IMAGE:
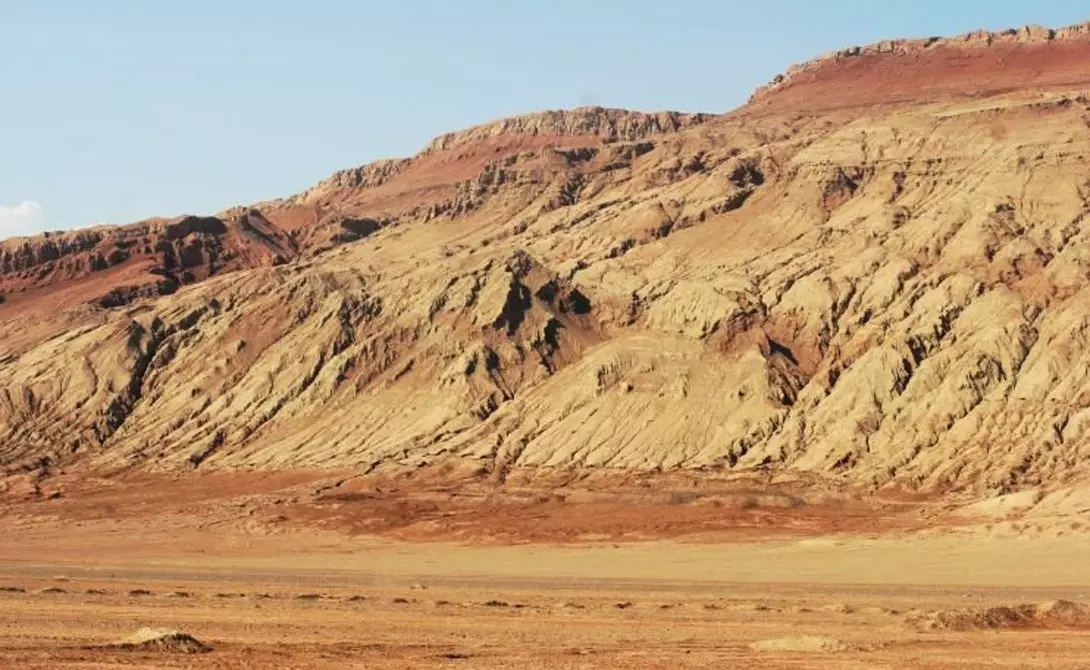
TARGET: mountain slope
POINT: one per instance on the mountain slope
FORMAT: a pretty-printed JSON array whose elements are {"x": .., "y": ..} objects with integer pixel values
[{"x": 878, "y": 278}]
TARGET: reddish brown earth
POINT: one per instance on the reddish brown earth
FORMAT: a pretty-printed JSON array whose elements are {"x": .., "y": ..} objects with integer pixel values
[
  {"x": 259, "y": 570},
  {"x": 911, "y": 72},
  {"x": 109, "y": 267}
]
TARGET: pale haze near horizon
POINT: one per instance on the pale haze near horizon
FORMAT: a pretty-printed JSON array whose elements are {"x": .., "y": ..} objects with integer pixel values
[{"x": 119, "y": 110}]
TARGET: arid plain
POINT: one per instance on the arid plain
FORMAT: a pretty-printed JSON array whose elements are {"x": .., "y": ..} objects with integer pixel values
[{"x": 281, "y": 578}]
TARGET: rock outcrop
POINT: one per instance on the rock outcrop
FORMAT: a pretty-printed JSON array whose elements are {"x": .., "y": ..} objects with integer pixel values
[
  {"x": 1032, "y": 59},
  {"x": 115, "y": 265},
  {"x": 597, "y": 122},
  {"x": 887, "y": 286},
  {"x": 164, "y": 640},
  {"x": 1054, "y": 615}
]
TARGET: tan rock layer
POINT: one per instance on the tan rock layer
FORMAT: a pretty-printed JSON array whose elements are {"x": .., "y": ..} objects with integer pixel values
[
  {"x": 610, "y": 124},
  {"x": 886, "y": 296}
]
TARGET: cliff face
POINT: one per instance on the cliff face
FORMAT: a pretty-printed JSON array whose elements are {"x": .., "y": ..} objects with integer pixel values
[
  {"x": 881, "y": 290},
  {"x": 112, "y": 266},
  {"x": 593, "y": 122}
]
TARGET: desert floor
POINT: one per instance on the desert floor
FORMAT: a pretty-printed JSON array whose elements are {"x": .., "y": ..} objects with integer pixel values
[{"x": 81, "y": 573}]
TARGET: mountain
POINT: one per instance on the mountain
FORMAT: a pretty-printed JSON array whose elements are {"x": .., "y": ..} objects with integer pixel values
[{"x": 875, "y": 273}]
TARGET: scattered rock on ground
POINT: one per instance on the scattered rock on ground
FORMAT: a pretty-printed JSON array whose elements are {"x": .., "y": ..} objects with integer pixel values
[
  {"x": 1054, "y": 614},
  {"x": 52, "y": 589},
  {"x": 165, "y": 639},
  {"x": 804, "y": 643}
]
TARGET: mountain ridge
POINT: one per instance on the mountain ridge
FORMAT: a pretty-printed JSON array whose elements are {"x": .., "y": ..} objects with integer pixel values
[
  {"x": 978, "y": 39},
  {"x": 884, "y": 293},
  {"x": 910, "y": 70}
]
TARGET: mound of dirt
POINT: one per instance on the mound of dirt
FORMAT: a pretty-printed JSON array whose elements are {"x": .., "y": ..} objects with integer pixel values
[
  {"x": 51, "y": 589},
  {"x": 803, "y": 644},
  {"x": 165, "y": 639},
  {"x": 1054, "y": 614}
]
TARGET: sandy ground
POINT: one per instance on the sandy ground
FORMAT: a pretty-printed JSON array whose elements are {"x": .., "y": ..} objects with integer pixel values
[{"x": 311, "y": 596}]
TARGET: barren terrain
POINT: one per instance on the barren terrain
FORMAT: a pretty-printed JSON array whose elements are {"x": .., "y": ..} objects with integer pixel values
[
  {"x": 890, "y": 293},
  {"x": 802, "y": 385},
  {"x": 274, "y": 578}
]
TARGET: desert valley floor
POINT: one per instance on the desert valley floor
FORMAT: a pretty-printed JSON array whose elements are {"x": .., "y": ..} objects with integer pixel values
[{"x": 775, "y": 587}]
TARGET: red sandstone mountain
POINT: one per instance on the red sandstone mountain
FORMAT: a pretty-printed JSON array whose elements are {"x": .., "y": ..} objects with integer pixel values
[{"x": 876, "y": 271}]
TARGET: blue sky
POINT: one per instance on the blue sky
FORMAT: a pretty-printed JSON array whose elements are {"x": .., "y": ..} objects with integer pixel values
[{"x": 114, "y": 110}]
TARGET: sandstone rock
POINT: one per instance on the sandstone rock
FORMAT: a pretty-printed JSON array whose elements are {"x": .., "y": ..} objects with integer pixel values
[
  {"x": 114, "y": 266},
  {"x": 802, "y": 644},
  {"x": 610, "y": 124},
  {"x": 933, "y": 68},
  {"x": 885, "y": 286},
  {"x": 1062, "y": 614},
  {"x": 164, "y": 639}
]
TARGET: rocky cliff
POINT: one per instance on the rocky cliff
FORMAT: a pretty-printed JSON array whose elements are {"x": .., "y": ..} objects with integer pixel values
[
  {"x": 1031, "y": 60},
  {"x": 878, "y": 272},
  {"x": 112, "y": 266}
]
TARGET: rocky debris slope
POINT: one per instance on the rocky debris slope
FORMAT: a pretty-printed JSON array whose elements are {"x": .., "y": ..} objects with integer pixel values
[
  {"x": 1057, "y": 614},
  {"x": 885, "y": 294}
]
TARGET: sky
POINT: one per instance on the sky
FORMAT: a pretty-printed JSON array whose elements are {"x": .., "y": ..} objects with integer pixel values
[{"x": 117, "y": 110}]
